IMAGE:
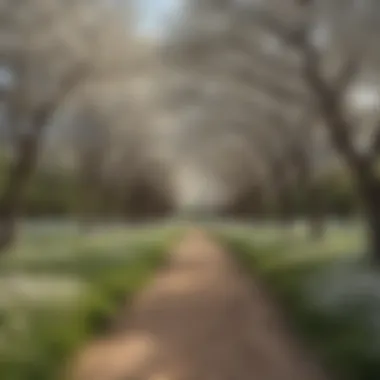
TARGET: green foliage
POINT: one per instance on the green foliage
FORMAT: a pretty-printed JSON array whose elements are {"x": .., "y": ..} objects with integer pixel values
[
  {"x": 50, "y": 193},
  {"x": 340, "y": 194},
  {"x": 344, "y": 340}
]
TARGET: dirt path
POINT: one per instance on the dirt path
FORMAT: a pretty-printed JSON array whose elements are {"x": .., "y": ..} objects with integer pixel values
[{"x": 200, "y": 319}]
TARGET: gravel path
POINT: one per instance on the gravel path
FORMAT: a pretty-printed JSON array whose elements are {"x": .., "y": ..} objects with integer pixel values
[{"x": 199, "y": 319}]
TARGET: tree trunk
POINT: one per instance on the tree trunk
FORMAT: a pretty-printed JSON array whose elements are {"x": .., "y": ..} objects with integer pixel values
[
  {"x": 283, "y": 190},
  {"x": 317, "y": 228},
  {"x": 374, "y": 234},
  {"x": 285, "y": 207},
  {"x": 315, "y": 211},
  {"x": 19, "y": 174},
  {"x": 89, "y": 194},
  {"x": 370, "y": 188},
  {"x": 284, "y": 199},
  {"x": 26, "y": 152},
  {"x": 312, "y": 202}
]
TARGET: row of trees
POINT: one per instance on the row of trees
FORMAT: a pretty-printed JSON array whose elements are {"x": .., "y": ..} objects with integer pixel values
[
  {"x": 71, "y": 97},
  {"x": 281, "y": 75},
  {"x": 53, "y": 192},
  {"x": 254, "y": 94}
]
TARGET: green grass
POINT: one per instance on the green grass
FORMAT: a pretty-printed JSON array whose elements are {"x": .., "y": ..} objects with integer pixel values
[
  {"x": 59, "y": 291},
  {"x": 60, "y": 288},
  {"x": 324, "y": 292}
]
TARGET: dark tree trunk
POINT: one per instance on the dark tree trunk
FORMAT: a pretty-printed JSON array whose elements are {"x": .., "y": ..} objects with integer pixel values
[
  {"x": 247, "y": 205},
  {"x": 19, "y": 174},
  {"x": 284, "y": 195},
  {"x": 315, "y": 211},
  {"x": 374, "y": 233},
  {"x": 329, "y": 97},
  {"x": 317, "y": 227},
  {"x": 26, "y": 153},
  {"x": 144, "y": 201},
  {"x": 285, "y": 206},
  {"x": 370, "y": 188},
  {"x": 311, "y": 194},
  {"x": 89, "y": 189}
]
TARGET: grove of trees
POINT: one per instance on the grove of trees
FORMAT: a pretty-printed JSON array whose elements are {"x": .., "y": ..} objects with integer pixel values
[
  {"x": 256, "y": 96},
  {"x": 282, "y": 74},
  {"x": 71, "y": 65}
]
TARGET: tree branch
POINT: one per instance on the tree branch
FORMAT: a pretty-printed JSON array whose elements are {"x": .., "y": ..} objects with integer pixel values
[
  {"x": 68, "y": 85},
  {"x": 347, "y": 73},
  {"x": 329, "y": 98}
]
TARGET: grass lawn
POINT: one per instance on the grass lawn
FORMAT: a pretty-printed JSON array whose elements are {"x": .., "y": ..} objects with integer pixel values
[
  {"x": 328, "y": 293},
  {"x": 59, "y": 287}
]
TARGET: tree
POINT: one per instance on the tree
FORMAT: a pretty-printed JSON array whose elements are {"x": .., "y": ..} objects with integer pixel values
[
  {"x": 231, "y": 82},
  {"x": 290, "y": 57},
  {"x": 350, "y": 31},
  {"x": 52, "y": 50}
]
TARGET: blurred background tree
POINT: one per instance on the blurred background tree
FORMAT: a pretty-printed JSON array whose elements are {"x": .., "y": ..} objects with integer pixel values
[
  {"x": 259, "y": 115},
  {"x": 222, "y": 113},
  {"x": 284, "y": 75},
  {"x": 71, "y": 68}
]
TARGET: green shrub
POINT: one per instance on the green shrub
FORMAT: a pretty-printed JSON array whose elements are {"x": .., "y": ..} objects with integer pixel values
[
  {"x": 50, "y": 193},
  {"x": 340, "y": 194}
]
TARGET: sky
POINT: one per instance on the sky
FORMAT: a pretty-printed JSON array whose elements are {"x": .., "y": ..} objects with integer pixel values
[{"x": 154, "y": 12}]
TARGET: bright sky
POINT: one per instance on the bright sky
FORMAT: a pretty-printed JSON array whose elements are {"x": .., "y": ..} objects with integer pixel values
[{"x": 153, "y": 13}]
